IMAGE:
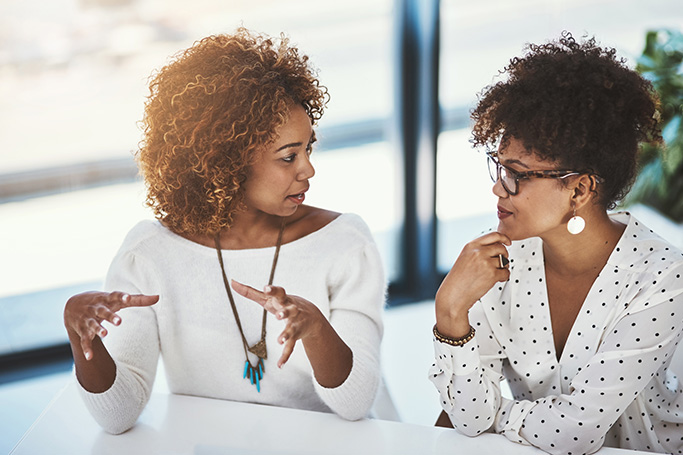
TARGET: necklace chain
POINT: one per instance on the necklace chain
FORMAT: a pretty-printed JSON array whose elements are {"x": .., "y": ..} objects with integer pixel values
[{"x": 253, "y": 372}]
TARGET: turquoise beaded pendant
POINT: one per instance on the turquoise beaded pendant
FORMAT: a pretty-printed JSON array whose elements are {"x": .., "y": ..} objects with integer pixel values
[{"x": 254, "y": 373}]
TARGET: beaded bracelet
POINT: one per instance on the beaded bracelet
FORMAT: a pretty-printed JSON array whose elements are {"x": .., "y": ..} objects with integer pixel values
[{"x": 454, "y": 341}]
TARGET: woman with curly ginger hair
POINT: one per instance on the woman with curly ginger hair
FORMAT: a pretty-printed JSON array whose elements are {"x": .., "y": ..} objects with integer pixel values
[
  {"x": 228, "y": 133},
  {"x": 579, "y": 309}
]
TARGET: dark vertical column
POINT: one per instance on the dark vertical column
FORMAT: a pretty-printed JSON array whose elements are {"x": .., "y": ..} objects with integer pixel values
[{"x": 417, "y": 45}]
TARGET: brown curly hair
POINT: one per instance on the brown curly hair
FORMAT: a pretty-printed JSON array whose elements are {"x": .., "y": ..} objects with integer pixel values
[
  {"x": 575, "y": 104},
  {"x": 209, "y": 111}
]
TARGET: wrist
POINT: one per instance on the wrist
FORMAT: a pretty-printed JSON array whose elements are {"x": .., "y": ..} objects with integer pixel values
[
  {"x": 319, "y": 330},
  {"x": 459, "y": 341},
  {"x": 453, "y": 324}
]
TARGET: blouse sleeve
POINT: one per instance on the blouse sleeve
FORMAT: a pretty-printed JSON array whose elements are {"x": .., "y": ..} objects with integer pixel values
[
  {"x": 356, "y": 304},
  {"x": 633, "y": 351},
  {"x": 134, "y": 346},
  {"x": 468, "y": 378}
]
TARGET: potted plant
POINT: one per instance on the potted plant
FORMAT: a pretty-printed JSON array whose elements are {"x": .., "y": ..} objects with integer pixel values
[{"x": 660, "y": 180}]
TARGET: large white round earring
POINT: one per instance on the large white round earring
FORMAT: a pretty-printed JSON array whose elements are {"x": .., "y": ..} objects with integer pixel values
[{"x": 576, "y": 224}]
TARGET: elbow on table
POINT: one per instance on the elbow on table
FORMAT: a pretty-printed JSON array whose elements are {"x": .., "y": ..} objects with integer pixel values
[
  {"x": 352, "y": 415},
  {"x": 351, "y": 402},
  {"x": 578, "y": 445},
  {"x": 114, "y": 423},
  {"x": 356, "y": 411},
  {"x": 470, "y": 429},
  {"x": 116, "y": 428}
]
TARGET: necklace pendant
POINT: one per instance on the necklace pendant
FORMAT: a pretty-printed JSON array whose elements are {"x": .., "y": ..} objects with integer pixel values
[
  {"x": 259, "y": 350},
  {"x": 254, "y": 373}
]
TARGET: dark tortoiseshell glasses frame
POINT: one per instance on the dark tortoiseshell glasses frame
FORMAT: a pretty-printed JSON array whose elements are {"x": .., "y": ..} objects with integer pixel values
[{"x": 510, "y": 178}]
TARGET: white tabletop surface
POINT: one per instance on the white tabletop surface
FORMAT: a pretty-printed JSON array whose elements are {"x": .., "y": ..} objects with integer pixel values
[{"x": 177, "y": 424}]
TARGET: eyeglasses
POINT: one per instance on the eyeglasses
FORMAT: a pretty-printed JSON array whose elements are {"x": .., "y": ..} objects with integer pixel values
[{"x": 510, "y": 179}]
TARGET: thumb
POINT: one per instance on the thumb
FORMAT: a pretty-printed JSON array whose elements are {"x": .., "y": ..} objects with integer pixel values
[{"x": 276, "y": 295}]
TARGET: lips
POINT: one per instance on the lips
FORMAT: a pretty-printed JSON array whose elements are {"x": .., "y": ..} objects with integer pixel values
[
  {"x": 298, "y": 198},
  {"x": 503, "y": 213}
]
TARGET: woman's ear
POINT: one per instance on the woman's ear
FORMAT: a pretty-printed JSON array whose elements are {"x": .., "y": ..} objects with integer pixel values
[{"x": 583, "y": 190}]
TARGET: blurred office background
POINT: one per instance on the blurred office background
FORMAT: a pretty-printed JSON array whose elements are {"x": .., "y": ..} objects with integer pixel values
[{"x": 393, "y": 146}]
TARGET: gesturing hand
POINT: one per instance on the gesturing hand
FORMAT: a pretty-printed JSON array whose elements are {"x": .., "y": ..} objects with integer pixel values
[
  {"x": 303, "y": 318},
  {"x": 84, "y": 314}
]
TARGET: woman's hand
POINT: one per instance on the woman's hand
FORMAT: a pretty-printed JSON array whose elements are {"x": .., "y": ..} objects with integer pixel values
[
  {"x": 475, "y": 271},
  {"x": 304, "y": 320},
  {"x": 84, "y": 314}
]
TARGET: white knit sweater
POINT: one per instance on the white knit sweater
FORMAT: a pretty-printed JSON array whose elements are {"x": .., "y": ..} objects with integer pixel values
[{"x": 338, "y": 268}]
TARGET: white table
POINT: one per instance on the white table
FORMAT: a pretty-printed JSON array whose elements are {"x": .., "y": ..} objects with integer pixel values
[{"x": 177, "y": 424}]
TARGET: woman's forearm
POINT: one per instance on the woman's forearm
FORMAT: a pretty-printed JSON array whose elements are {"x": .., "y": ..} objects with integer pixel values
[
  {"x": 97, "y": 374},
  {"x": 330, "y": 358}
]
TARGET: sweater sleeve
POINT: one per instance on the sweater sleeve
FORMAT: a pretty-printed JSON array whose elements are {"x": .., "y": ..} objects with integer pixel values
[
  {"x": 134, "y": 346},
  {"x": 356, "y": 304}
]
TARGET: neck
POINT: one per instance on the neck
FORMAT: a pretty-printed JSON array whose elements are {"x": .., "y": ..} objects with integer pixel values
[
  {"x": 251, "y": 230},
  {"x": 587, "y": 252}
]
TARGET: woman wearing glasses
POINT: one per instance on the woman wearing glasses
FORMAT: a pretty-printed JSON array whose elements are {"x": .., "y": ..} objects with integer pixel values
[{"x": 579, "y": 309}]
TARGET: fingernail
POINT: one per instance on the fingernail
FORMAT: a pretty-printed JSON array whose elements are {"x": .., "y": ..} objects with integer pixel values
[
  {"x": 117, "y": 320},
  {"x": 88, "y": 355},
  {"x": 103, "y": 333},
  {"x": 268, "y": 288},
  {"x": 125, "y": 298},
  {"x": 283, "y": 339},
  {"x": 280, "y": 315}
]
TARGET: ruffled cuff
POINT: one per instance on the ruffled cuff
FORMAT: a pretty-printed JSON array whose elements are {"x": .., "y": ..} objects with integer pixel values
[
  {"x": 452, "y": 361},
  {"x": 458, "y": 360}
]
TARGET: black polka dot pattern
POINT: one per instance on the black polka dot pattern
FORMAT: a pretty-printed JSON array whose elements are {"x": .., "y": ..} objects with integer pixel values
[{"x": 611, "y": 386}]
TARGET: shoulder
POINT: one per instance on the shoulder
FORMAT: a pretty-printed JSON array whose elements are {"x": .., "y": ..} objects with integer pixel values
[
  {"x": 141, "y": 232},
  {"x": 330, "y": 235},
  {"x": 642, "y": 249},
  {"x": 311, "y": 218},
  {"x": 314, "y": 220},
  {"x": 147, "y": 237},
  {"x": 132, "y": 268}
]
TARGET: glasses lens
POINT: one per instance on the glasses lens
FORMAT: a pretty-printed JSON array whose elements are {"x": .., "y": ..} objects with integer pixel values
[
  {"x": 508, "y": 180},
  {"x": 493, "y": 168}
]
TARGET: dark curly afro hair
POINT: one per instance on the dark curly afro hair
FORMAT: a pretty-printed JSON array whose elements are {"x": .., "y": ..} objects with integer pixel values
[
  {"x": 575, "y": 104},
  {"x": 209, "y": 112}
]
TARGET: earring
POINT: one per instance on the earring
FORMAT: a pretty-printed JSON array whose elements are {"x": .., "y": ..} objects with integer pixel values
[{"x": 576, "y": 224}]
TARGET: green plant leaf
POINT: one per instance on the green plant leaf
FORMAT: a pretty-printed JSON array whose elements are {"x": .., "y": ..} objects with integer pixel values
[{"x": 659, "y": 183}]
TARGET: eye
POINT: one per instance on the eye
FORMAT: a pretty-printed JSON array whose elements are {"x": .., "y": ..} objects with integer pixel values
[
  {"x": 510, "y": 173},
  {"x": 289, "y": 158}
]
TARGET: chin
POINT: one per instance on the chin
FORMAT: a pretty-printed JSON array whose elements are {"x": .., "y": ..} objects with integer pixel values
[
  {"x": 502, "y": 229},
  {"x": 289, "y": 211},
  {"x": 511, "y": 233}
]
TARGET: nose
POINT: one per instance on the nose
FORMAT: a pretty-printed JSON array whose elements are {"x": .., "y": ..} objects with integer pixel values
[
  {"x": 306, "y": 171},
  {"x": 498, "y": 190}
]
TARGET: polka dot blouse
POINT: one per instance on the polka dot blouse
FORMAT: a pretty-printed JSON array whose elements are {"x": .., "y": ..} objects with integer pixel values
[{"x": 611, "y": 385}]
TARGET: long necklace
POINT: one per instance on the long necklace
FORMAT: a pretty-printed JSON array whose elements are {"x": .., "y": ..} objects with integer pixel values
[{"x": 253, "y": 372}]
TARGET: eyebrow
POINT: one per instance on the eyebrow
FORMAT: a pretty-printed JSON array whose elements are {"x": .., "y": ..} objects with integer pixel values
[
  {"x": 291, "y": 144},
  {"x": 513, "y": 161},
  {"x": 295, "y": 144}
]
